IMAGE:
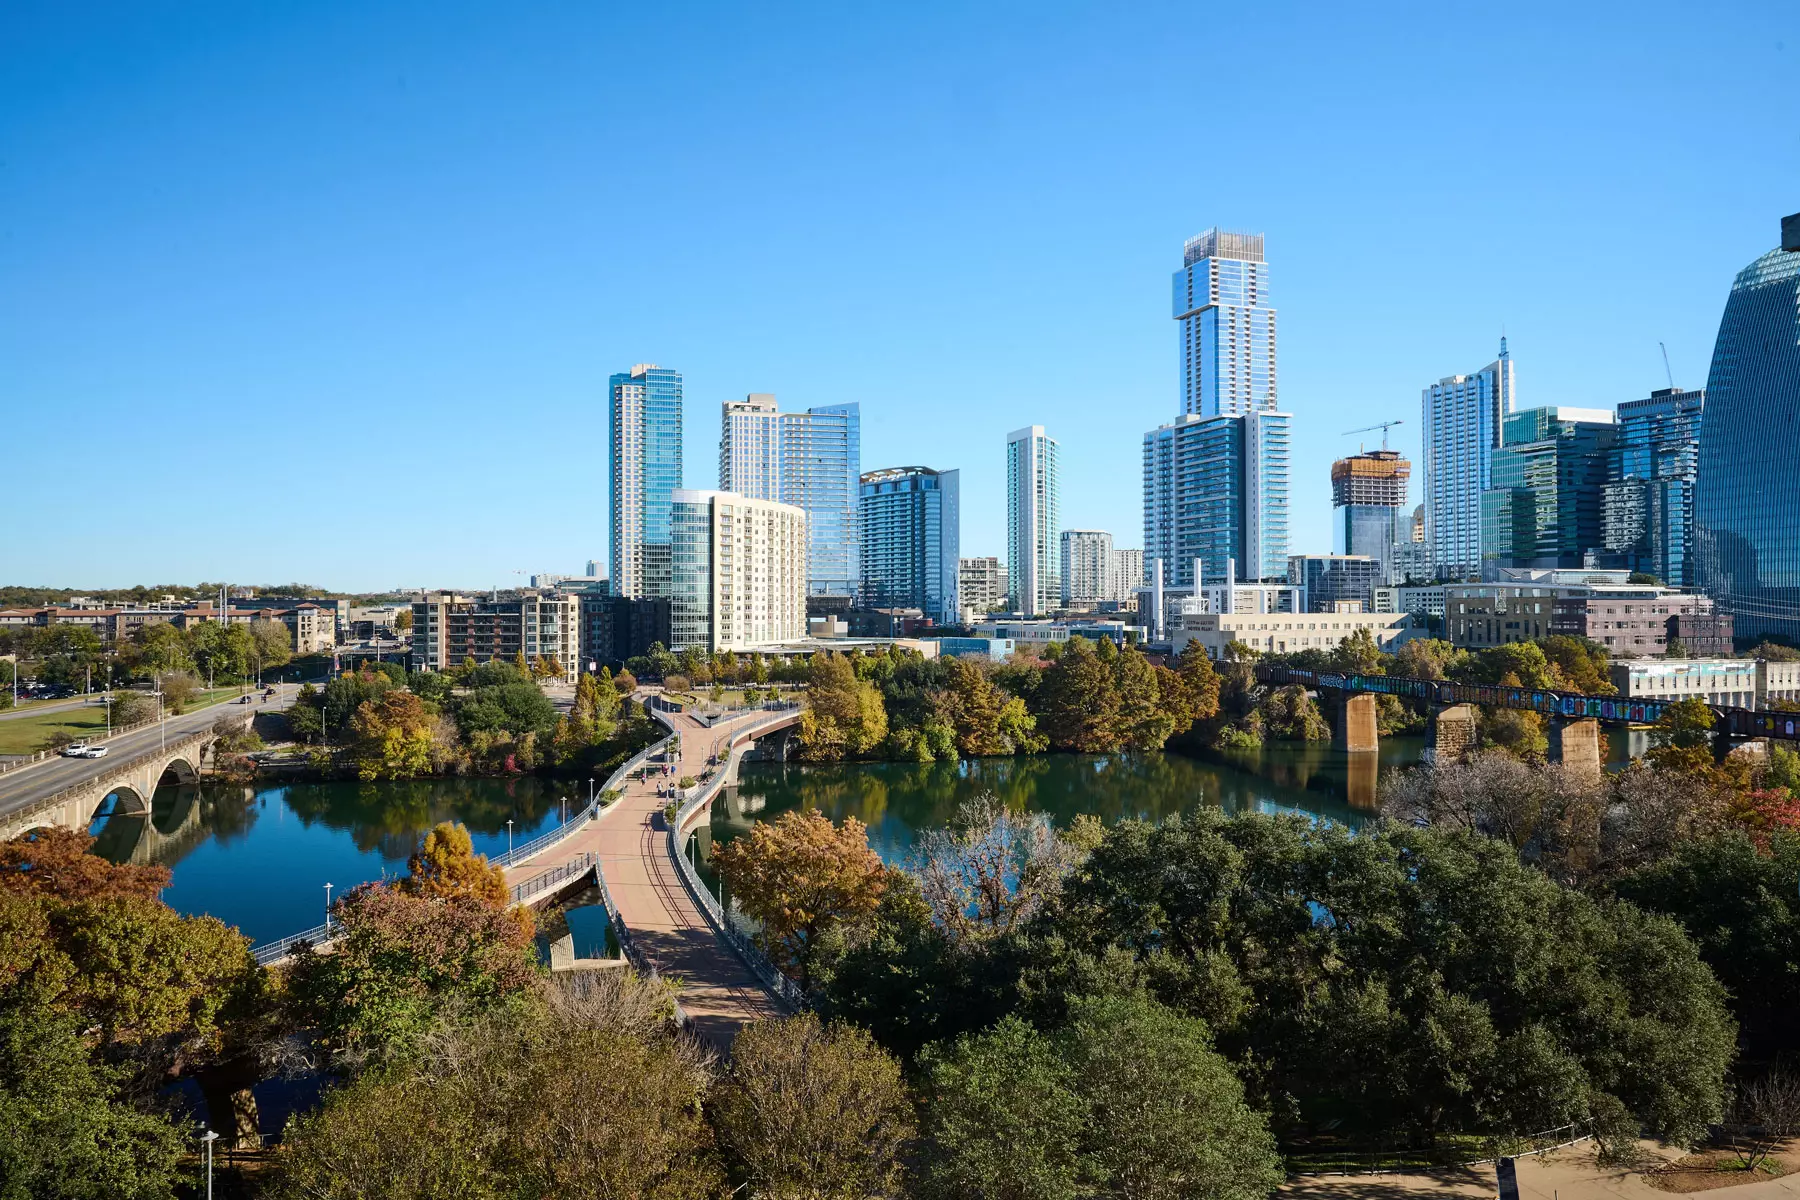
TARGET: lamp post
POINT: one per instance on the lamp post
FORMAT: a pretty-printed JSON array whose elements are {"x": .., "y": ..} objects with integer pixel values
[
  {"x": 590, "y": 793},
  {"x": 328, "y": 907},
  {"x": 509, "y": 841},
  {"x": 208, "y": 1138}
]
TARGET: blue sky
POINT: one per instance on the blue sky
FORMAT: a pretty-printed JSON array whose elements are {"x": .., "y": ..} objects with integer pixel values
[{"x": 331, "y": 292}]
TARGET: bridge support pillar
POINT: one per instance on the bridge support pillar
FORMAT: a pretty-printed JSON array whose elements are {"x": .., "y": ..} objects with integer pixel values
[
  {"x": 1355, "y": 729},
  {"x": 1452, "y": 733},
  {"x": 1576, "y": 743}
]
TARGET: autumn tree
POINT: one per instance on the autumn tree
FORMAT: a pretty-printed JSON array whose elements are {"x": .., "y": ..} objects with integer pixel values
[
  {"x": 844, "y": 715},
  {"x": 799, "y": 877},
  {"x": 813, "y": 1111},
  {"x": 1426, "y": 658},
  {"x": 446, "y": 864},
  {"x": 1077, "y": 703},
  {"x": 56, "y": 862},
  {"x": 394, "y": 736},
  {"x": 1682, "y": 739}
]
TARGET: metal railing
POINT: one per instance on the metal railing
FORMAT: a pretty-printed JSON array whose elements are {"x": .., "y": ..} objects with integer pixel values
[
  {"x": 544, "y": 881},
  {"x": 542, "y": 842},
  {"x": 275, "y": 951},
  {"x": 771, "y": 977}
]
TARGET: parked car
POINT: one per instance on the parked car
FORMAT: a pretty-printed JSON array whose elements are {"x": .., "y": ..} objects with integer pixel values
[
  {"x": 75, "y": 750},
  {"x": 94, "y": 752}
]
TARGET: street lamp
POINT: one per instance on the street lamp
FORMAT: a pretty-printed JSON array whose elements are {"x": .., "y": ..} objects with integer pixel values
[
  {"x": 328, "y": 908},
  {"x": 590, "y": 793},
  {"x": 208, "y": 1138},
  {"x": 509, "y": 841}
]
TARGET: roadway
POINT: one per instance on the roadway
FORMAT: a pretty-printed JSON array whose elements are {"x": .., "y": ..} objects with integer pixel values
[
  {"x": 31, "y": 710},
  {"x": 23, "y": 786},
  {"x": 719, "y": 993}
]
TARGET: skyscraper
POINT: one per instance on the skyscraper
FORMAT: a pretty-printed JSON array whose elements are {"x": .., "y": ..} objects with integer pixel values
[
  {"x": 1221, "y": 299},
  {"x": 1462, "y": 430},
  {"x": 645, "y": 456},
  {"x": 1647, "y": 516},
  {"x": 1087, "y": 567},
  {"x": 1747, "y": 506},
  {"x": 811, "y": 459},
  {"x": 1216, "y": 479},
  {"x": 1033, "y": 514},
  {"x": 1368, "y": 497},
  {"x": 910, "y": 519},
  {"x": 1548, "y": 479}
]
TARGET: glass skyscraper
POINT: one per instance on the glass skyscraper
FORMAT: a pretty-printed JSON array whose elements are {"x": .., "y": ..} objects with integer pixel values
[
  {"x": 1216, "y": 478},
  {"x": 1747, "y": 506},
  {"x": 1549, "y": 475},
  {"x": 1462, "y": 430},
  {"x": 1033, "y": 520},
  {"x": 911, "y": 520},
  {"x": 645, "y": 457},
  {"x": 1648, "y": 515},
  {"x": 811, "y": 459}
]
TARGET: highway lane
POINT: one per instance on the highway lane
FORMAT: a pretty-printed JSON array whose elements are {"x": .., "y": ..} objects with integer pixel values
[{"x": 27, "y": 785}]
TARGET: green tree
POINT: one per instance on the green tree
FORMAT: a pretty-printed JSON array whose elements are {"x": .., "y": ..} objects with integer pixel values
[
  {"x": 1682, "y": 739},
  {"x": 1580, "y": 665},
  {"x": 844, "y": 716},
  {"x": 178, "y": 691},
  {"x": 514, "y": 708},
  {"x": 1077, "y": 703},
  {"x": 272, "y": 644},
  {"x": 1427, "y": 658},
  {"x": 394, "y": 737},
  {"x": 813, "y": 1111},
  {"x": 799, "y": 877},
  {"x": 1148, "y": 711}
]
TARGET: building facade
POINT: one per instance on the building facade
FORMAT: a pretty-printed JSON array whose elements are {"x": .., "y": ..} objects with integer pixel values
[
  {"x": 910, "y": 518},
  {"x": 1033, "y": 520},
  {"x": 1647, "y": 513},
  {"x": 1368, "y": 499},
  {"x": 812, "y": 460},
  {"x": 1221, "y": 299},
  {"x": 1747, "y": 502},
  {"x": 1127, "y": 573},
  {"x": 645, "y": 459},
  {"x": 449, "y": 629},
  {"x": 1332, "y": 580},
  {"x": 615, "y": 628},
  {"x": 739, "y": 570},
  {"x": 1216, "y": 492},
  {"x": 1723, "y": 681},
  {"x": 1633, "y": 621},
  {"x": 1548, "y": 480},
  {"x": 981, "y": 585},
  {"x": 1285, "y": 633},
  {"x": 1462, "y": 415},
  {"x": 1087, "y": 567}
]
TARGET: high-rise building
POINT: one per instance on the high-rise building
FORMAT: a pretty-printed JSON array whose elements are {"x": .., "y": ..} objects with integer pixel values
[
  {"x": 1127, "y": 573},
  {"x": 645, "y": 424},
  {"x": 1033, "y": 513},
  {"x": 1647, "y": 514},
  {"x": 1216, "y": 489},
  {"x": 1549, "y": 476},
  {"x": 1221, "y": 298},
  {"x": 981, "y": 585},
  {"x": 1747, "y": 504},
  {"x": 1087, "y": 568},
  {"x": 910, "y": 519},
  {"x": 1368, "y": 496},
  {"x": 1462, "y": 431},
  {"x": 449, "y": 630},
  {"x": 1330, "y": 580},
  {"x": 739, "y": 572},
  {"x": 811, "y": 459},
  {"x": 1216, "y": 479}
]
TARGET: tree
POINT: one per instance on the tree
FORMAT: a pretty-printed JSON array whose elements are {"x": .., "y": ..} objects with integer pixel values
[
  {"x": 274, "y": 645},
  {"x": 1682, "y": 739},
  {"x": 1770, "y": 1107},
  {"x": 989, "y": 869},
  {"x": 158, "y": 649},
  {"x": 515, "y": 708},
  {"x": 800, "y": 876},
  {"x": 403, "y": 621},
  {"x": 54, "y": 862},
  {"x": 394, "y": 736},
  {"x": 844, "y": 715},
  {"x": 1580, "y": 664},
  {"x": 1426, "y": 658},
  {"x": 1003, "y": 1120},
  {"x": 813, "y": 1110},
  {"x": 399, "y": 961},
  {"x": 1077, "y": 704},
  {"x": 177, "y": 690},
  {"x": 1149, "y": 711},
  {"x": 446, "y": 865}
]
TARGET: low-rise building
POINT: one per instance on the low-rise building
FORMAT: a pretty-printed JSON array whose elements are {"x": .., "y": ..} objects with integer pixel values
[
  {"x": 1034, "y": 634},
  {"x": 993, "y": 649},
  {"x": 1777, "y": 681},
  {"x": 449, "y": 629},
  {"x": 1637, "y": 621},
  {"x": 1286, "y": 633},
  {"x": 615, "y": 628},
  {"x": 1723, "y": 681}
]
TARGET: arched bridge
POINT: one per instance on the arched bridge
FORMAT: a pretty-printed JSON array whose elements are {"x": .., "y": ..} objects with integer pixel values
[{"x": 133, "y": 779}]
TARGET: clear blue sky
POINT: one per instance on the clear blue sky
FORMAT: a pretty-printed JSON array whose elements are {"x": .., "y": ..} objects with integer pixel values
[{"x": 331, "y": 292}]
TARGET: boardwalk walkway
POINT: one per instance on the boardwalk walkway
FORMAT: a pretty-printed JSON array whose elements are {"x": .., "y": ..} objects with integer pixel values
[{"x": 719, "y": 992}]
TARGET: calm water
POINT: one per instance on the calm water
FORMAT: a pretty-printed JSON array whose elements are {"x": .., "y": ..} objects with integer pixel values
[{"x": 259, "y": 857}]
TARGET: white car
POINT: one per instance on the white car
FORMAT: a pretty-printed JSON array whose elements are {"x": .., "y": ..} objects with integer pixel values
[
  {"x": 75, "y": 750},
  {"x": 94, "y": 752}
]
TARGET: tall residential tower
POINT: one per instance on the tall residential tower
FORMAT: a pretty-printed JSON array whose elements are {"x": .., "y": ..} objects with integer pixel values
[
  {"x": 644, "y": 408},
  {"x": 812, "y": 460},
  {"x": 1462, "y": 431},
  {"x": 1033, "y": 517},
  {"x": 910, "y": 519}
]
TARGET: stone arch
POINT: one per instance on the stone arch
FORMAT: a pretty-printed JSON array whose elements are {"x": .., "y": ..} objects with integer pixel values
[
  {"x": 181, "y": 769},
  {"x": 131, "y": 802}
]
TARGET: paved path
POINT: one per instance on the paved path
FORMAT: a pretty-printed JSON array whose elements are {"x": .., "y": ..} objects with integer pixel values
[
  {"x": 26, "y": 785},
  {"x": 719, "y": 993}
]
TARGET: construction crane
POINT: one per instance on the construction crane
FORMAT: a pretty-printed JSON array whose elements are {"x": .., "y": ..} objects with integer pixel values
[{"x": 1383, "y": 426}]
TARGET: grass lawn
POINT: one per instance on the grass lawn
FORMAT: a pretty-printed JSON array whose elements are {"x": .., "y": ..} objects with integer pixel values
[{"x": 26, "y": 734}]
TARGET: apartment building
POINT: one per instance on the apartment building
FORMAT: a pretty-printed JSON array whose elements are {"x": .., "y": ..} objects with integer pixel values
[
  {"x": 740, "y": 572},
  {"x": 449, "y": 629}
]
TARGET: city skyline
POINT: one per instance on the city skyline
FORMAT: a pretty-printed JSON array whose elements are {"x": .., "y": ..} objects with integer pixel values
[{"x": 325, "y": 287}]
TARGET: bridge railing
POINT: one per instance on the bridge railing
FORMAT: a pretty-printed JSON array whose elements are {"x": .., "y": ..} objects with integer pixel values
[
  {"x": 542, "y": 842},
  {"x": 555, "y": 877},
  {"x": 277, "y": 950},
  {"x": 14, "y": 764},
  {"x": 771, "y": 977},
  {"x": 116, "y": 769}
]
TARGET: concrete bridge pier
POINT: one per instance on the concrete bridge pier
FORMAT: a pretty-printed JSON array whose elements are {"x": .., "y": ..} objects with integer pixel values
[
  {"x": 1577, "y": 744},
  {"x": 1453, "y": 732},
  {"x": 1355, "y": 728}
]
